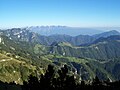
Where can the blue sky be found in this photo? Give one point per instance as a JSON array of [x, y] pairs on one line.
[[76, 13]]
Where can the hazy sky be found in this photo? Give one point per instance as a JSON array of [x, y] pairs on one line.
[[80, 13]]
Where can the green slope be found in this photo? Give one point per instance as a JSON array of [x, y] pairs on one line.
[[14, 70]]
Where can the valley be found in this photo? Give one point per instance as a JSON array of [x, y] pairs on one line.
[[86, 56]]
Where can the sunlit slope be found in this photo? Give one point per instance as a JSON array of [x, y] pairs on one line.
[[14, 70]]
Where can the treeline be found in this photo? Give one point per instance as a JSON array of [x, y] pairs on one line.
[[62, 81]]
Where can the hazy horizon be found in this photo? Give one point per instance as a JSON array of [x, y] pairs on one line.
[[97, 28]]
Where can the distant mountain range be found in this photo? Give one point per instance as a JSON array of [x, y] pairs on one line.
[[72, 31]]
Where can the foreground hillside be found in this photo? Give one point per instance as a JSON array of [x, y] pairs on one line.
[[15, 70], [63, 81]]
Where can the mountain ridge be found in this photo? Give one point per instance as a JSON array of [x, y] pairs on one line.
[[26, 35]]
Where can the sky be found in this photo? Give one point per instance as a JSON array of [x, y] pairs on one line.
[[74, 13]]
